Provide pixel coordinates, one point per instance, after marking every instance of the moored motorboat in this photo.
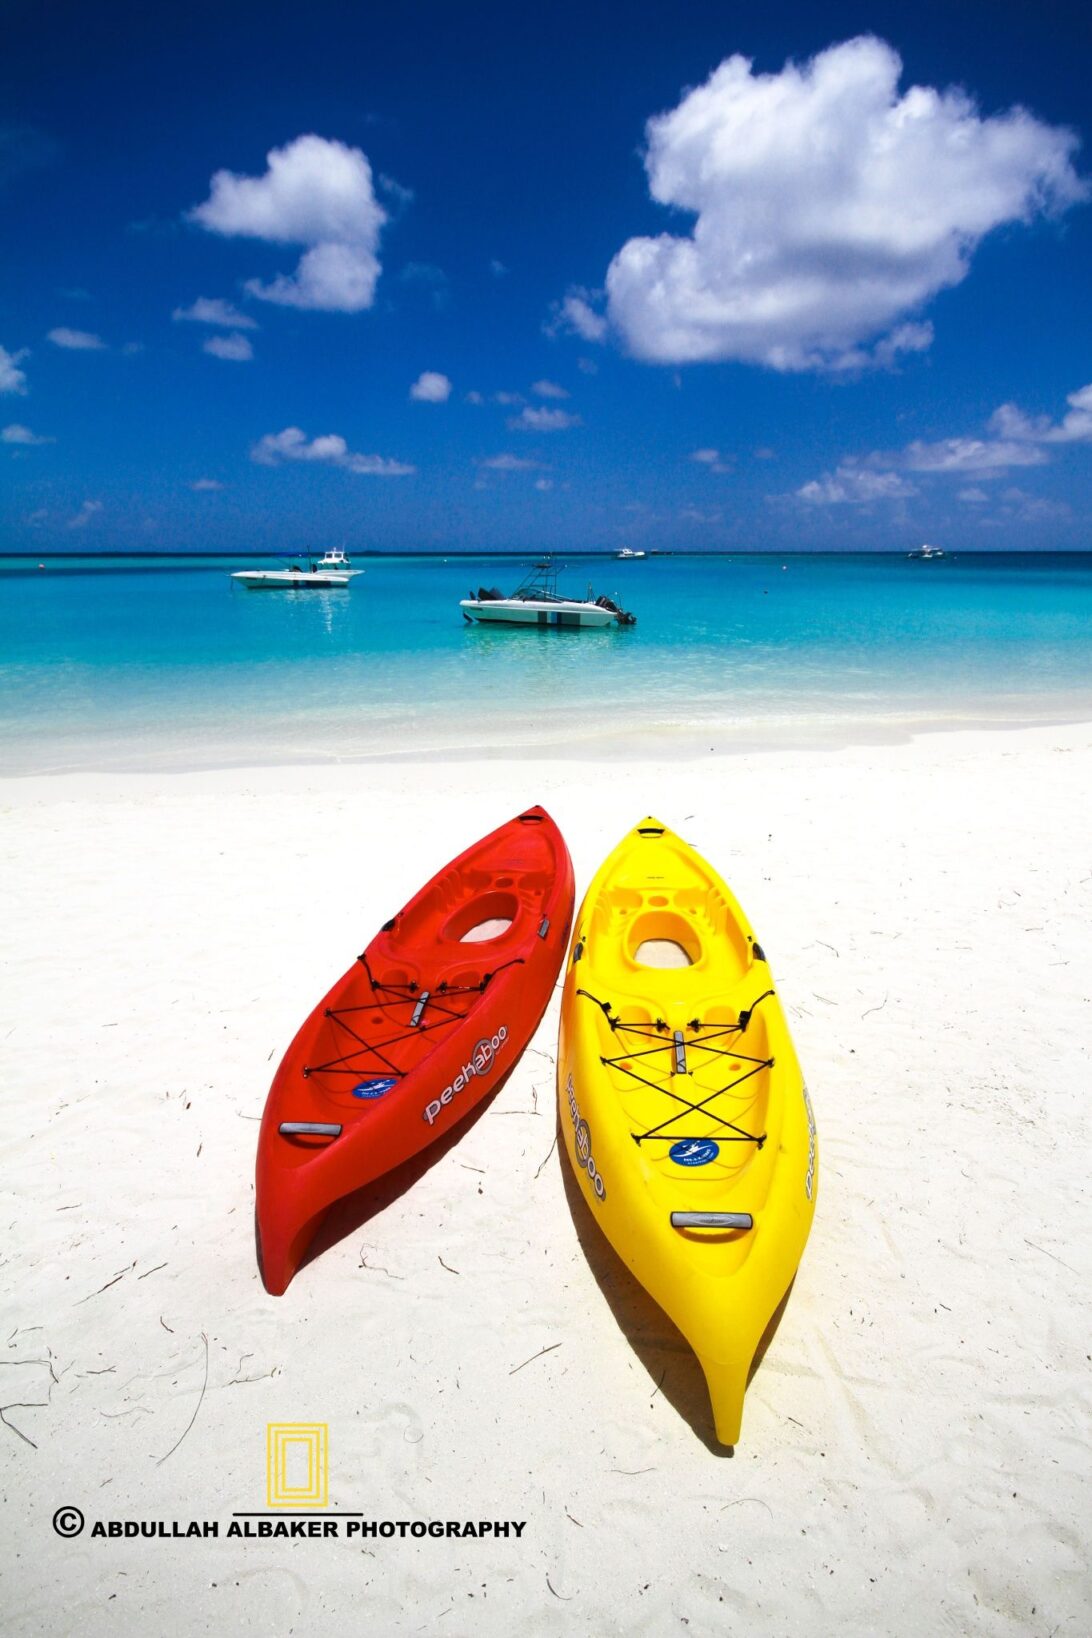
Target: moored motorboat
(683, 1109)
(424, 1025)
(536, 602)
(335, 560)
(332, 569)
(926, 552)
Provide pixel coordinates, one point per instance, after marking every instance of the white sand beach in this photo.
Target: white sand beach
(914, 1457)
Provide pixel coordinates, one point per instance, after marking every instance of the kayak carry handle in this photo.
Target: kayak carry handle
(419, 1009)
(309, 1128)
(712, 1219)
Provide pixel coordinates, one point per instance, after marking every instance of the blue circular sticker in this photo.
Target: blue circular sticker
(694, 1151)
(374, 1089)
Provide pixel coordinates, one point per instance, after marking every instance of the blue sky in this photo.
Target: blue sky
(428, 276)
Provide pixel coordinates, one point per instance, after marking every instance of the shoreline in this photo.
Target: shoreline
(626, 741)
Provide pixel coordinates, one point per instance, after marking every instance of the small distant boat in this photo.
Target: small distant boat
(926, 552)
(315, 577)
(337, 561)
(536, 602)
(626, 555)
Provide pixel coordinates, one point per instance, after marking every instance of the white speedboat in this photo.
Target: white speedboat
(536, 602)
(626, 555)
(926, 552)
(336, 561)
(296, 578)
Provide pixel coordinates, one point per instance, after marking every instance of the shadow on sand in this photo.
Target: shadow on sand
(349, 1214)
(660, 1346)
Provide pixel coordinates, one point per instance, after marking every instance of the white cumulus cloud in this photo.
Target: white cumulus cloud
(199, 485)
(539, 419)
(1075, 427)
(978, 455)
(315, 192)
(855, 485)
(829, 209)
(711, 458)
(17, 434)
(506, 462)
(214, 310)
(12, 378)
(577, 314)
(77, 341)
(90, 509)
(1018, 440)
(548, 389)
(431, 388)
(234, 347)
(329, 449)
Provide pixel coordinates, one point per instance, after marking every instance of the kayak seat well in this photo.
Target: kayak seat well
(486, 917)
(662, 938)
(694, 919)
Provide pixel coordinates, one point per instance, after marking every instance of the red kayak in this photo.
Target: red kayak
(421, 1028)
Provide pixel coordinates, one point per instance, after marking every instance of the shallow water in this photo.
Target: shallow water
(134, 663)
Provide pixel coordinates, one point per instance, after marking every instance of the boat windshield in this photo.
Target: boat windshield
(539, 584)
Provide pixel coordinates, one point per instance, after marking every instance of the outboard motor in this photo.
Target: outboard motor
(620, 614)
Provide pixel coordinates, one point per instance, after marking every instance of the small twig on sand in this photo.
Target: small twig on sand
(29, 1404)
(196, 1408)
(22, 1404)
(566, 1598)
(739, 1501)
(553, 1146)
(448, 1266)
(1050, 1254)
(108, 1284)
(548, 1350)
(880, 1008)
(377, 1268)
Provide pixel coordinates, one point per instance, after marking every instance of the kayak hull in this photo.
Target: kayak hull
(683, 1109)
(423, 1026)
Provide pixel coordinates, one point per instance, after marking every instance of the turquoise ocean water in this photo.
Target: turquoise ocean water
(126, 663)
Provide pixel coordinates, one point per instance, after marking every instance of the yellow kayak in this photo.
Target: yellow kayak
(683, 1108)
